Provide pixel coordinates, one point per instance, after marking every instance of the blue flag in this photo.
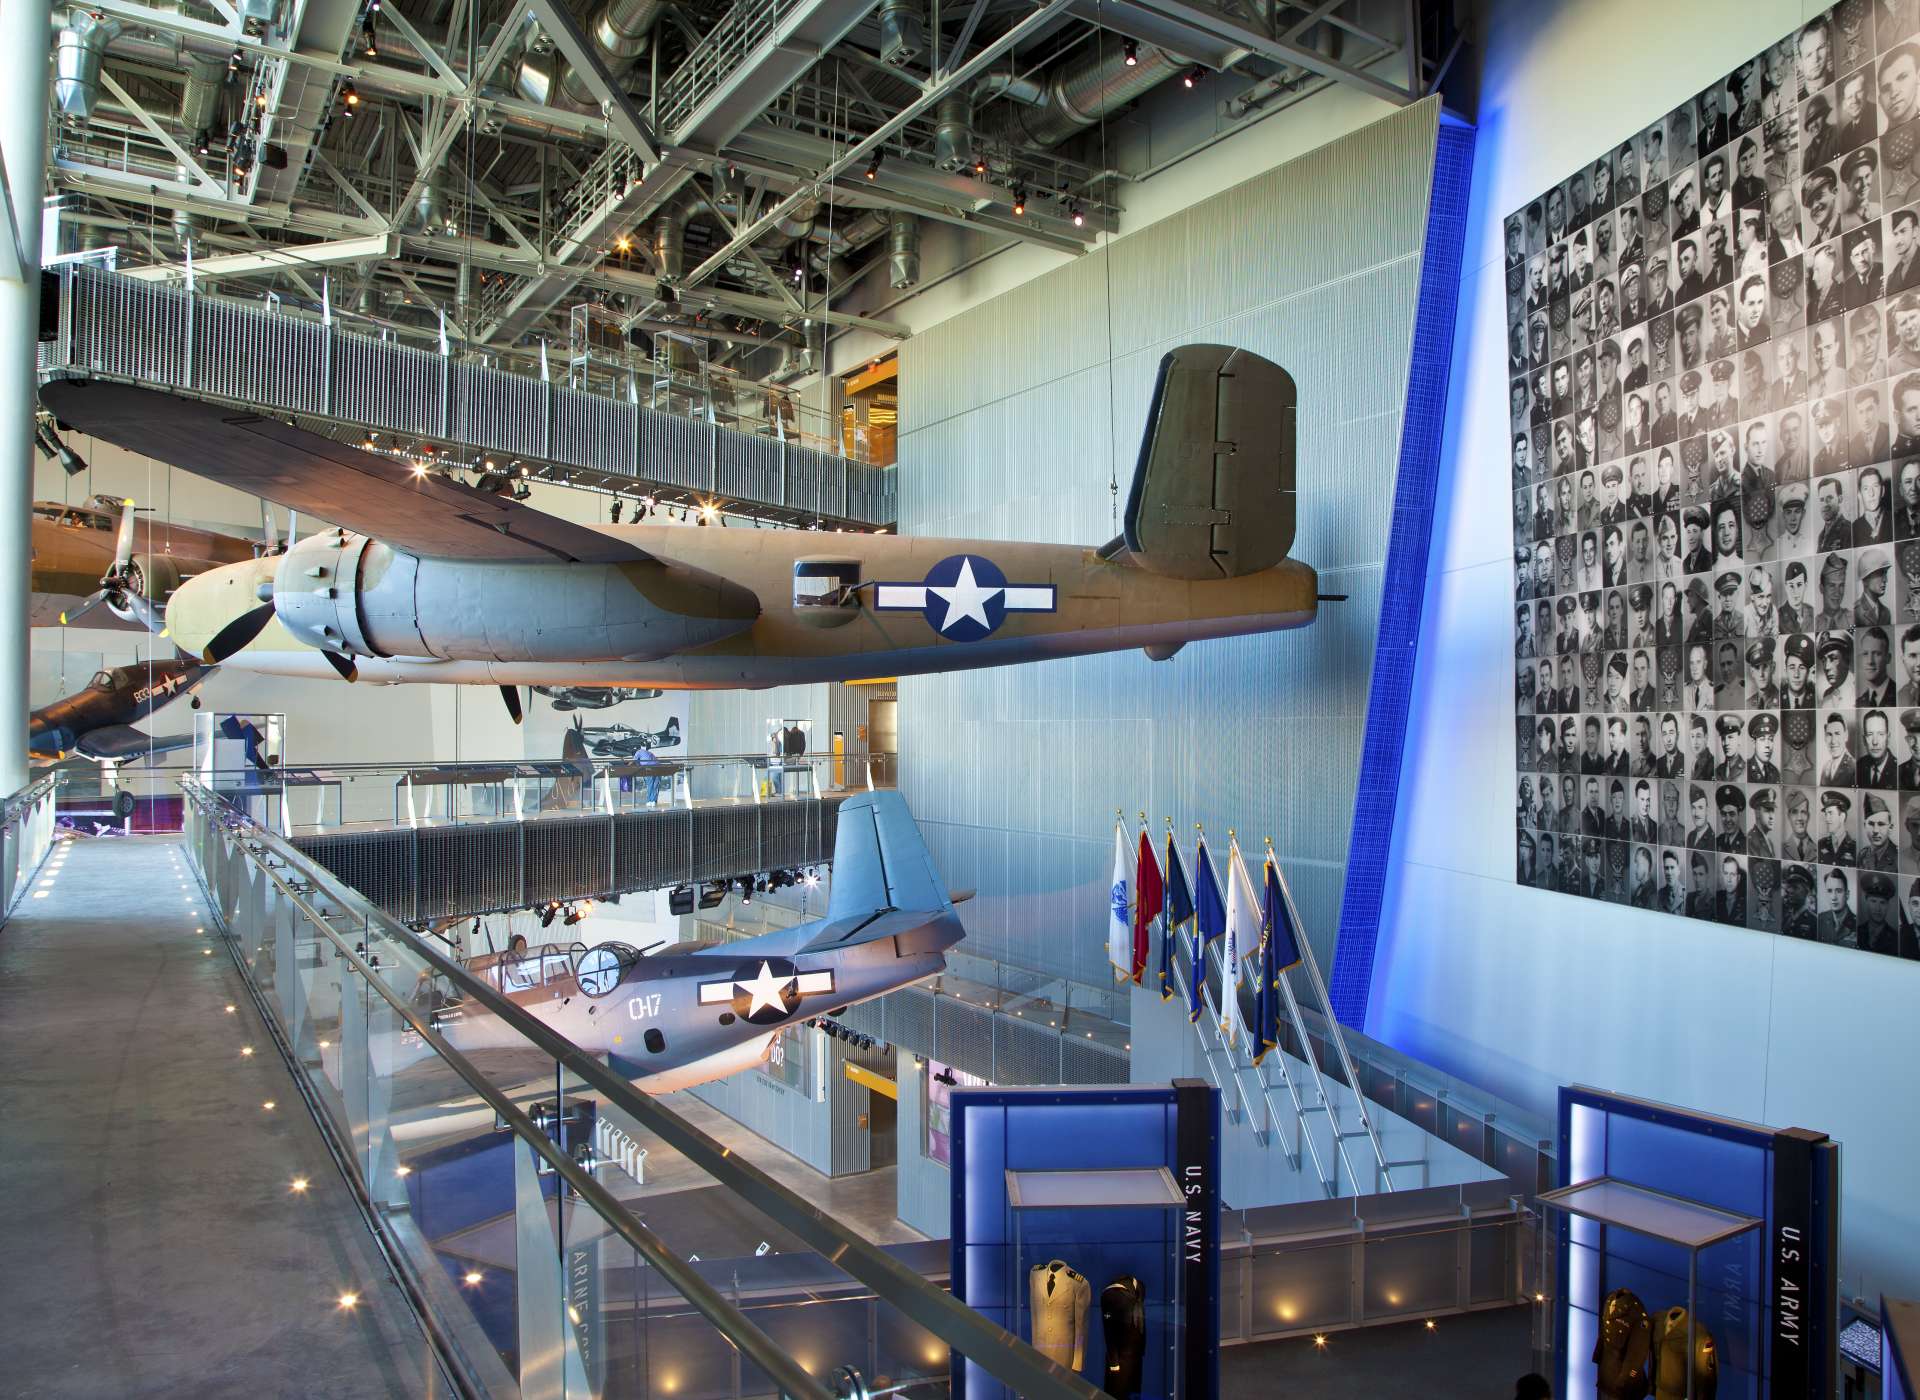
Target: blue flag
(1209, 923)
(1177, 910)
(1279, 950)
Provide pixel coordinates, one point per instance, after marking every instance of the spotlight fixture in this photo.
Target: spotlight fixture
(349, 98)
(979, 165)
(547, 915)
(873, 166)
(613, 512)
(203, 142)
(1131, 50)
(1077, 214)
(1019, 200)
(1191, 78)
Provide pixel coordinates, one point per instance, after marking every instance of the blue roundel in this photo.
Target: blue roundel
(966, 597)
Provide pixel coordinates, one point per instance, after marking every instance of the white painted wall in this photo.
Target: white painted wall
(1520, 990)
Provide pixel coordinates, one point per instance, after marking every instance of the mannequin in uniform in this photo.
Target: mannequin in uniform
(1123, 1317)
(1624, 1349)
(1670, 1377)
(1061, 1296)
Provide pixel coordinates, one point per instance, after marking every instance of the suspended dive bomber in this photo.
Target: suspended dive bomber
(431, 580)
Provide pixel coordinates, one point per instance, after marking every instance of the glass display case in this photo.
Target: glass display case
(1094, 1274)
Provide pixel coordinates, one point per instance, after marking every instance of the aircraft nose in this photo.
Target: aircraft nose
(205, 603)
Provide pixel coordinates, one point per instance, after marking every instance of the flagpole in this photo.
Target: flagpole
(1333, 1034)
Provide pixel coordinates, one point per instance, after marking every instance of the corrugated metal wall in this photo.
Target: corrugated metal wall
(1009, 430)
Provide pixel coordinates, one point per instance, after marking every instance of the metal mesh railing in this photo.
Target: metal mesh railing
(111, 326)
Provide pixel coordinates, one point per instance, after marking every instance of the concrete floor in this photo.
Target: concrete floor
(152, 1245)
(1470, 1356)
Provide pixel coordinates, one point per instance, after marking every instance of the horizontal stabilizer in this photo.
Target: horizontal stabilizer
(880, 861)
(1213, 493)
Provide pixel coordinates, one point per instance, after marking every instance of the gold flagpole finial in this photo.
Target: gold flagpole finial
(1143, 819)
(1269, 843)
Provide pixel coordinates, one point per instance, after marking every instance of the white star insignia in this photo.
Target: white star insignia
(767, 991)
(964, 598)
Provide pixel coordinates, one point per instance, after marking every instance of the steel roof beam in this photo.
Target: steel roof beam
(579, 51)
(1206, 21)
(285, 257)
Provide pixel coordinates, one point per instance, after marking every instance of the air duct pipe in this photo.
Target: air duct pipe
(1087, 87)
(78, 52)
(903, 251)
(619, 29)
(669, 241)
(903, 32)
(200, 98)
(953, 131)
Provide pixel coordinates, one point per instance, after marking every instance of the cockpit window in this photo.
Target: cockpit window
(103, 680)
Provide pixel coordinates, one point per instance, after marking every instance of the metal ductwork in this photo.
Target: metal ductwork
(1093, 84)
(78, 52)
(953, 131)
(200, 98)
(431, 211)
(903, 251)
(670, 240)
(903, 32)
(619, 29)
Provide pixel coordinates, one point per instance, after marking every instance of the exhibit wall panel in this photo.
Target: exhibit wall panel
(1259, 734)
(1520, 990)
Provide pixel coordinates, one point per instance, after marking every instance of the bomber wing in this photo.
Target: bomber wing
(303, 471)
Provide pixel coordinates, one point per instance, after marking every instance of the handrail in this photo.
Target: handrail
(1012, 1361)
(27, 796)
(755, 1344)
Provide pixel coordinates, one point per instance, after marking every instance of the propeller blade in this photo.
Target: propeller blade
(144, 612)
(238, 633)
(68, 619)
(511, 694)
(123, 543)
(344, 665)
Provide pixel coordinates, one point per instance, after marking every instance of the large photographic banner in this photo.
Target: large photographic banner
(1714, 382)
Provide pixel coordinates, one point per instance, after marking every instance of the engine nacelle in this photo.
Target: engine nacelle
(153, 577)
(343, 592)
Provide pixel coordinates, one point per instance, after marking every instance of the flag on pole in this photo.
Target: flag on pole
(1148, 899)
(1243, 933)
(1279, 950)
(1209, 923)
(1119, 925)
(1179, 909)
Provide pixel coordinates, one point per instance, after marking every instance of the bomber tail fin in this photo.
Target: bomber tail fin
(1213, 491)
(880, 860)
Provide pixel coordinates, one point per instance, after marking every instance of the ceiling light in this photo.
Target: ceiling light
(298, 1186)
(979, 165)
(349, 97)
(1193, 76)
(1077, 214)
(1019, 201)
(873, 166)
(1132, 52)
(471, 1278)
(349, 1301)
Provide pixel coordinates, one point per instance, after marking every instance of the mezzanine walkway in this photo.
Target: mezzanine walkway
(153, 1242)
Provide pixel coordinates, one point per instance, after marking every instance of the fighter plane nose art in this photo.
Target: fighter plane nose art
(965, 597)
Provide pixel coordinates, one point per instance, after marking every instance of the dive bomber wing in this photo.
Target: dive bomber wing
(372, 495)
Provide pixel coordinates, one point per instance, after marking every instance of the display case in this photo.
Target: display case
(1086, 1222)
(1696, 1254)
(1094, 1274)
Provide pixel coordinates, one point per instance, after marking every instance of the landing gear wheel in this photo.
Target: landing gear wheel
(123, 805)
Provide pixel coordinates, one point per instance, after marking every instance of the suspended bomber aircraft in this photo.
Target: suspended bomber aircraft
(430, 580)
(102, 552)
(98, 722)
(695, 1012)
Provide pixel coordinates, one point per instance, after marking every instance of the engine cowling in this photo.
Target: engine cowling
(342, 592)
(154, 577)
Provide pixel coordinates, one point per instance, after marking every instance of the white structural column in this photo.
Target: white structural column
(23, 143)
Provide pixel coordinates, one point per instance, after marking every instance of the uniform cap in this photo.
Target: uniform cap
(1764, 725)
(1617, 663)
(1797, 800)
(1728, 725)
(1836, 641)
(1833, 564)
(1797, 874)
(1690, 381)
(1723, 369)
(1874, 805)
(1766, 798)
(1910, 721)
(1760, 654)
(1729, 796)
(1876, 884)
(1689, 316)
(1830, 798)
(1800, 648)
(1860, 158)
(1792, 496)
(1610, 475)
(1727, 583)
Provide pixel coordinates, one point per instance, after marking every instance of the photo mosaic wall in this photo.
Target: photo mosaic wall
(1714, 382)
